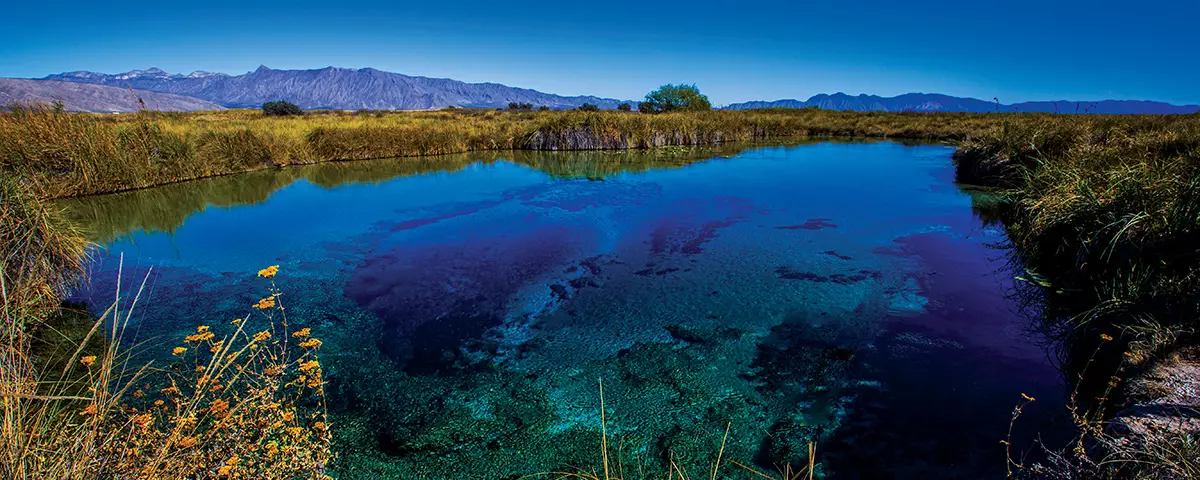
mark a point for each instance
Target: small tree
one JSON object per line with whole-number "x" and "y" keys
{"x": 543, "y": 108}
{"x": 281, "y": 108}
{"x": 589, "y": 107}
{"x": 670, "y": 98}
{"x": 526, "y": 106}
{"x": 624, "y": 107}
{"x": 513, "y": 105}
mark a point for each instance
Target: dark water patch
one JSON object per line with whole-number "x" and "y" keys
{"x": 789, "y": 273}
{"x": 835, "y": 254}
{"x": 805, "y": 364}
{"x": 435, "y": 300}
{"x": 458, "y": 212}
{"x": 811, "y": 224}
{"x": 910, "y": 421}
{"x": 702, "y": 336}
{"x": 690, "y": 224}
{"x": 914, "y": 424}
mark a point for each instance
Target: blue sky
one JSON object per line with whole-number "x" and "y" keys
{"x": 734, "y": 51}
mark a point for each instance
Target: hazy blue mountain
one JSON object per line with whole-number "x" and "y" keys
{"x": 932, "y": 102}
{"x": 81, "y": 97}
{"x": 337, "y": 88}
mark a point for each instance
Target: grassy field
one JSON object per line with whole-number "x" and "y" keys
{"x": 1104, "y": 211}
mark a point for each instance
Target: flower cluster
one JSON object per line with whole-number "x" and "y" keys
{"x": 246, "y": 407}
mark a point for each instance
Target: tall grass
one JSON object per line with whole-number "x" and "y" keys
{"x": 67, "y": 154}
{"x": 41, "y": 254}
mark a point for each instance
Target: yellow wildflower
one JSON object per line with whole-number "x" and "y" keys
{"x": 178, "y": 351}
{"x": 235, "y": 321}
{"x": 310, "y": 343}
{"x": 200, "y": 336}
{"x": 144, "y": 421}
{"x": 288, "y": 416}
{"x": 269, "y": 271}
{"x": 202, "y": 329}
{"x": 218, "y": 408}
{"x": 90, "y": 410}
{"x": 265, "y": 303}
{"x": 88, "y": 360}
{"x": 1106, "y": 337}
{"x": 301, "y": 333}
{"x": 309, "y": 365}
{"x": 263, "y": 335}
{"x": 158, "y": 403}
{"x": 1027, "y": 397}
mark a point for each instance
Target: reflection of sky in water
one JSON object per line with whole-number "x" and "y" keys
{"x": 850, "y": 280}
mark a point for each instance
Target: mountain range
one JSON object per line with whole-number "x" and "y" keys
{"x": 352, "y": 89}
{"x": 933, "y": 102}
{"x": 82, "y": 97}
{"x": 333, "y": 88}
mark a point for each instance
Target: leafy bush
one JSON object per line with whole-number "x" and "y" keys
{"x": 588, "y": 107}
{"x": 281, "y": 108}
{"x": 624, "y": 107}
{"x": 670, "y": 98}
{"x": 543, "y": 108}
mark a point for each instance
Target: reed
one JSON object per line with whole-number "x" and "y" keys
{"x": 70, "y": 154}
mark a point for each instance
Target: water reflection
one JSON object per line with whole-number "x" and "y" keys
{"x": 105, "y": 218}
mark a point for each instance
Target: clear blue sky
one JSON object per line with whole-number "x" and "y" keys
{"x": 735, "y": 51}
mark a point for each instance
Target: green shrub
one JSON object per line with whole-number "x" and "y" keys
{"x": 624, "y": 107}
{"x": 588, "y": 107}
{"x": 281, "y": 108}
{"x": 670, "y": 98}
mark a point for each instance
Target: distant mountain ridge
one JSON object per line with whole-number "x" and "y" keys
{"x": 352, "y": 89}
{"x": 83, "y": 97}
{"x": 933, "y": 102}
{"x": 335, "y": 88}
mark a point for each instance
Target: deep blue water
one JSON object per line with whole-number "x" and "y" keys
{"x": 843, "y": 293}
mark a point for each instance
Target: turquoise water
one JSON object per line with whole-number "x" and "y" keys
{"x": 837, "y": 293}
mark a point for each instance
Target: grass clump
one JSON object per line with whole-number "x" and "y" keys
{"x": 41, "y": 254}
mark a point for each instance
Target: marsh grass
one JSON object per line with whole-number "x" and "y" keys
{"x": 70, "y": 154}
{"x": 41, "y": 255}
